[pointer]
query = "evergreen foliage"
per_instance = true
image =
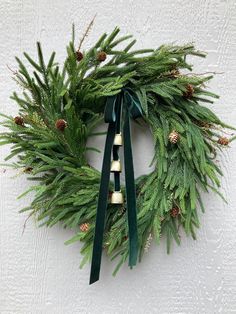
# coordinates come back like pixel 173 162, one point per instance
pixel 67 186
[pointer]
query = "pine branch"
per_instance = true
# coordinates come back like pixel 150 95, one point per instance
pixel 59 109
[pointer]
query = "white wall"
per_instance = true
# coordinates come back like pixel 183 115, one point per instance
pixel 38 274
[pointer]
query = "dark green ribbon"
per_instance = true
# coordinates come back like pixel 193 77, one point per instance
pixel 128 101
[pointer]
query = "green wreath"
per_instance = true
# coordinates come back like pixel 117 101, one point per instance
pixel 59 110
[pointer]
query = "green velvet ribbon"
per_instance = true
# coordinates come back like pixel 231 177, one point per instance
pixel 124 106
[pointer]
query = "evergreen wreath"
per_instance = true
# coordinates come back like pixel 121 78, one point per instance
pixel 59 110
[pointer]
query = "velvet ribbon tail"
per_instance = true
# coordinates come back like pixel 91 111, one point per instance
pixel 103 191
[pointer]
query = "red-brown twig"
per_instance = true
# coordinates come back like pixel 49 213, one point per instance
pixel 86 32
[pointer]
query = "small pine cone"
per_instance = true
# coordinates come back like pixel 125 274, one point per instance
pixel 101 56
pixel 207 125
pixel 19 121
pixel 203 124
pixel 174 137
pixel 223 141
pixel 28 169
pixel 84 227
pixel 175 211
pixel 79 55
pixel 61 124
pixel 175 73
pixel 148 243
pixel 189 91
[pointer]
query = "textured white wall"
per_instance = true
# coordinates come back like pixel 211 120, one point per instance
pixel 38 274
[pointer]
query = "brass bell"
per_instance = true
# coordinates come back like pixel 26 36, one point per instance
pixel 117 197
pixel 115 166
pixel 118 139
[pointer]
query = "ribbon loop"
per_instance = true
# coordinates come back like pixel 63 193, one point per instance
pixel 133 104
pixel 110 113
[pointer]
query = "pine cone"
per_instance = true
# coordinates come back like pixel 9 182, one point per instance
pixel 223 141
pixel 148 243
pixel 175 211
pixel 19 121
pixel 28 169
pixel 84 227
pixel 175 73
pixel 61 124
pixel 203 124
pixel 174 137
pixel 189 91
pixel 101 56
pixel 79 55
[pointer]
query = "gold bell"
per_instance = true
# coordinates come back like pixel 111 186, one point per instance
pixel 118 139
pixel 117 197
pixel 115 166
